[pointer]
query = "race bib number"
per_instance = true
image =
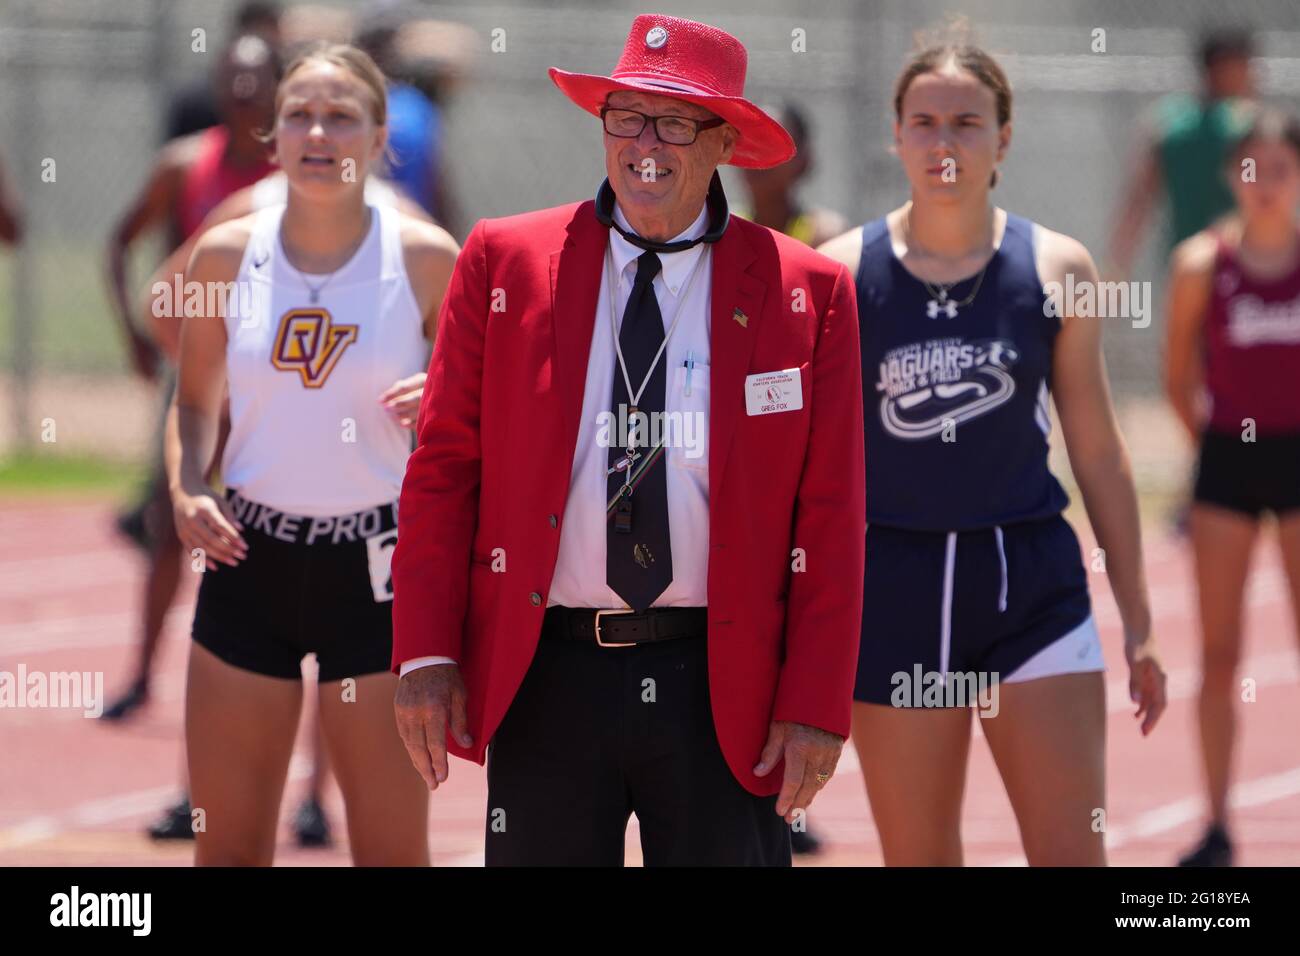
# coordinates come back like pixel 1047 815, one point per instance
pixel 379 555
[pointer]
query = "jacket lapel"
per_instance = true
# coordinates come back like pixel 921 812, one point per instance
pixel 575 284
pixel 736 307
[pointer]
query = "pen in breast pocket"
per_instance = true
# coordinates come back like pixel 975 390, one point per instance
pixel 689 365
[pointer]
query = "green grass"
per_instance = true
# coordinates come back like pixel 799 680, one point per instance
pixel 36 475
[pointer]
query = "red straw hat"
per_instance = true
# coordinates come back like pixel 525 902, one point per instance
pixel 693 62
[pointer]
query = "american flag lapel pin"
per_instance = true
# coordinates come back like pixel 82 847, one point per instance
pixel 740 317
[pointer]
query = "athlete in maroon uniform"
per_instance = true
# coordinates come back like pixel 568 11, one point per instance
pixel 1233 376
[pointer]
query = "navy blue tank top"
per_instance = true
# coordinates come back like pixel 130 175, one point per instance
pixel 955 399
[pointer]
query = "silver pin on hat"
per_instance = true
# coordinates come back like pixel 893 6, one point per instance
pixel 656 38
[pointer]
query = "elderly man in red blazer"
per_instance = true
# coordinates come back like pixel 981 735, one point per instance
pixel 629 558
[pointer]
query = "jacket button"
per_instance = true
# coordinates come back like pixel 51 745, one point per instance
pixel 535 598
pixel 553 520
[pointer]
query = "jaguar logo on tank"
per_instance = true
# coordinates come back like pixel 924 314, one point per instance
pixel 925 385
pixel 310 344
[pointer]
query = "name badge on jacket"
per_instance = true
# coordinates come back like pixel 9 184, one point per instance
pixel 770 392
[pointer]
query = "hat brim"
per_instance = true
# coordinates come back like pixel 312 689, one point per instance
pixel 763 142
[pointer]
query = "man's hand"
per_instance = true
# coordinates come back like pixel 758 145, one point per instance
pixel 426 700
pixel 808 751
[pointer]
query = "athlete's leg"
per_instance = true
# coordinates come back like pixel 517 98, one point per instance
pixel 1288 533
pixel 1222 540
pixel 161 581
pixel 914 765
pixel 239 732
pixel 387 802
pixel 1048 738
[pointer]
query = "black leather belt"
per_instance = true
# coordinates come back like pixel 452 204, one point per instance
pixel 624 627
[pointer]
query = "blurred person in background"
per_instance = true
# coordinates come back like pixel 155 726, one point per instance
pixel 1232 375
pixel 772 192
pixel 1182 145
pixel 1181 150
pixel 194 107
pixel 190 177
pixel 415 121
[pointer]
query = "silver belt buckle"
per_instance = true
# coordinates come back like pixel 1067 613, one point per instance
pixel 623 610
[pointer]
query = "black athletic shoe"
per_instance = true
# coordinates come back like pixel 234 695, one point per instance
pixel 132 526
pixel 310 826
pixel 174 824
pixel 803 842
pixel 1214 850
pixel 135 697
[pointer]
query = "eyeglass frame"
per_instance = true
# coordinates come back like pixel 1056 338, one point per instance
pixel 700 125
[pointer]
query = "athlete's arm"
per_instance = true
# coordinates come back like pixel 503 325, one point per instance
pixel 203 520
pixel 430 254
pixel 167 328
pixel 1101 465
pixel 1137 200
pixel 1190 274
pixel 150 209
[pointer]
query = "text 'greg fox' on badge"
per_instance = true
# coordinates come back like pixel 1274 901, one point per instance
pixel 769 392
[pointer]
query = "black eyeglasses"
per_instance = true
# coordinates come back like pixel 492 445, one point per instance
pixel 675 130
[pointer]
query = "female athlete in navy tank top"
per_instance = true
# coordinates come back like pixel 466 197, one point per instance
pixel 974 593
pixel 1234 337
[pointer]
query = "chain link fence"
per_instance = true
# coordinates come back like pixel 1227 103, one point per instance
pixel 86 83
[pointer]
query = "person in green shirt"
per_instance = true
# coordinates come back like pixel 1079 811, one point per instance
pixel 1182 149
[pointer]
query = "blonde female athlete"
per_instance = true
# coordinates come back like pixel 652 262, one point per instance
pixel 336 302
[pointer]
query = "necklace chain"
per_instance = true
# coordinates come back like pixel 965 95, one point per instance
pixel 315 291
pixel 939 290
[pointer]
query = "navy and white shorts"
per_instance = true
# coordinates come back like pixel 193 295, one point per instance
pixel 309 585
pixel 943 610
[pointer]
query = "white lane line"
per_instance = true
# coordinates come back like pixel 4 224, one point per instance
pixel 84 631
pixel 93 813
pixel 1171 816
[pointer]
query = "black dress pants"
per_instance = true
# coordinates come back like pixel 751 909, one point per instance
pixel 596 734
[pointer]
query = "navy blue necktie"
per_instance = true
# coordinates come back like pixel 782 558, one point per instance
pixel 638 550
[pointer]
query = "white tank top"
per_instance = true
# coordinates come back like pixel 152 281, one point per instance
pixel 307 432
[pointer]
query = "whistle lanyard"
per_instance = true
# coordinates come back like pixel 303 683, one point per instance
pixel 634 397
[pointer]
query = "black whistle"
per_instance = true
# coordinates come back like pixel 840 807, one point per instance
pixel 623 515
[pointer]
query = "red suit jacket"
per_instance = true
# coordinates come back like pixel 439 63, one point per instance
pixel 497 429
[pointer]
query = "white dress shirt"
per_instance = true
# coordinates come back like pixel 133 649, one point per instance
pixel 579 579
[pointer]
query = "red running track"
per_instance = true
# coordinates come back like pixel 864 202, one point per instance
pixel 74 791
